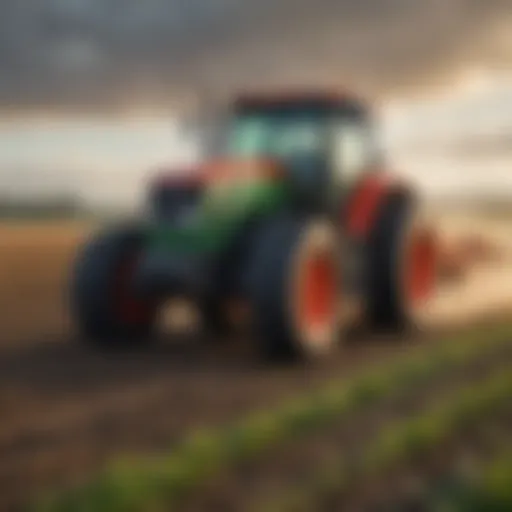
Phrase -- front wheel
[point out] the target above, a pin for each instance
(294, 283)
(106, 308)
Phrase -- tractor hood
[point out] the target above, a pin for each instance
(238, 187)
(234, 171)
(242, 170)
(228, 193)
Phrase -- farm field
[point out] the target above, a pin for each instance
(68, 412)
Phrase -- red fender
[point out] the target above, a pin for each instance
(369, 195)
(177, 177)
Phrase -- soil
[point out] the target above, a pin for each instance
(66, 410)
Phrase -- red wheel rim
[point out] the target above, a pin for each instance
(128, 308)
(317, 293)
(420, 266)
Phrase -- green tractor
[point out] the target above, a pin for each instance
(291, 217)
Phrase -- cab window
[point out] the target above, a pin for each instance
(353, 150)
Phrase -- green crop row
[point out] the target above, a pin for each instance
(407, 441)
(161, 482)
(492, 492)
(483, 488)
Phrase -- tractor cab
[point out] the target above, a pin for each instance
(319, 144)
(325, 143)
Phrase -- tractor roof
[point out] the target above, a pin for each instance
(320, 99)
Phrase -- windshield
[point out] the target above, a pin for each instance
(281, 136)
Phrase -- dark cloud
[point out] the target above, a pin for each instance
(100, 52)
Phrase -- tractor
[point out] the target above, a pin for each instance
(292, 216)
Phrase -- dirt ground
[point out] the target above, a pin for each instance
(35, 260)
(65, 410)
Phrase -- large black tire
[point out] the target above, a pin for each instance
(279, 256)
(388, 306)
(106, 309)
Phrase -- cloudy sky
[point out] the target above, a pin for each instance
(67, 53)
(88, 88)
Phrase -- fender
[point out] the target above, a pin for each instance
(366, 200)
(179, 177)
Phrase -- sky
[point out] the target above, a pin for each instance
(67, 54)
(458, 141)
(91, 90)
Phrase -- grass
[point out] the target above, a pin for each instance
(406, 441)
(160, 483)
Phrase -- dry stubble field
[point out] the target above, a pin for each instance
(65, 411)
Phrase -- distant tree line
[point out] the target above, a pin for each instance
(65, 207)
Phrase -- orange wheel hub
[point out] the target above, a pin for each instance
(318, 292)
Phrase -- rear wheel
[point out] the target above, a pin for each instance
(106, 308)
(402, 267)
(294, 280)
